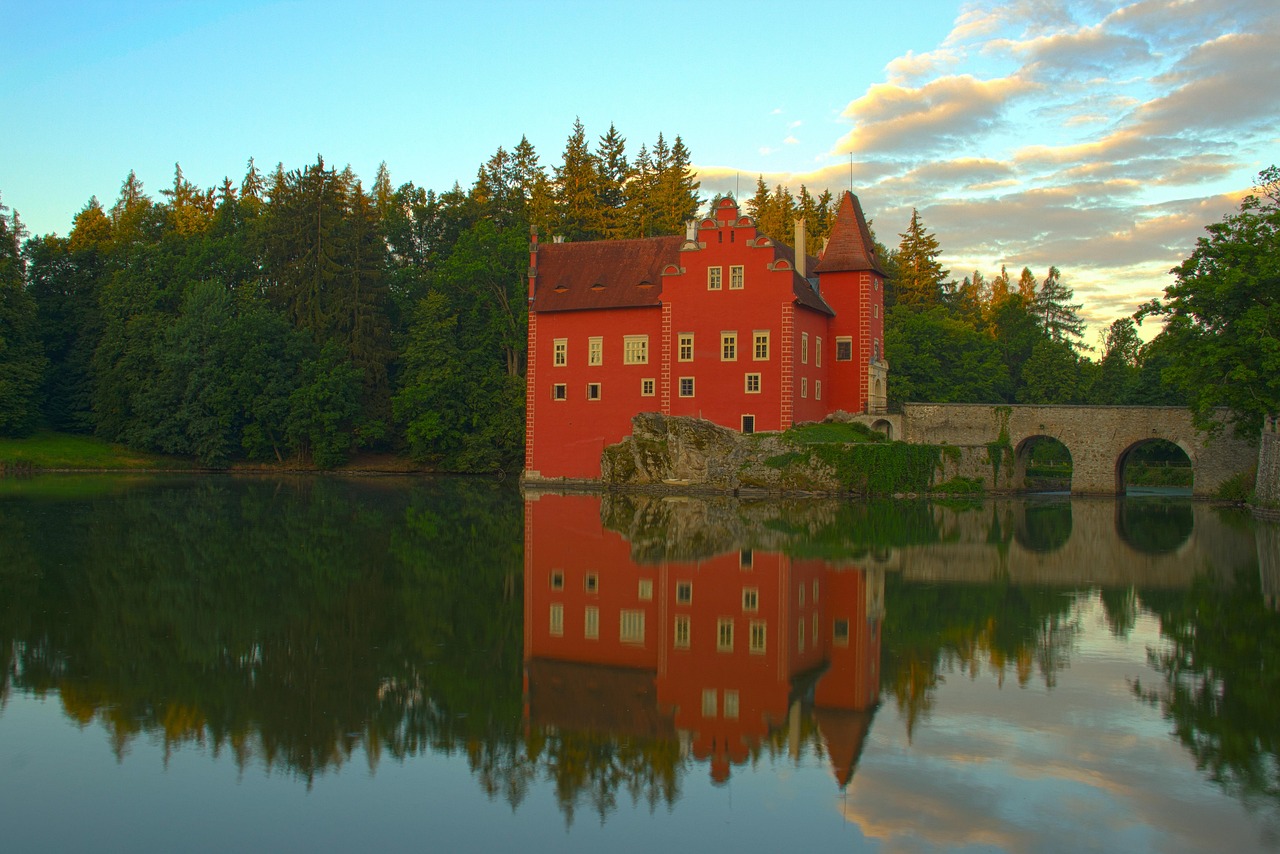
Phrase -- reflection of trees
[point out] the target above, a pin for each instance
(1221, 669)
(930, 630)
(287, 622)
(1154, 525)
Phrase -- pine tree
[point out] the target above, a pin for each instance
(613, 172)
(1058, 316)
(576, 193)
(674, 200)
(920, 278)
(22, 361)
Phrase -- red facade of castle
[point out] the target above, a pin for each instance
(723, 324)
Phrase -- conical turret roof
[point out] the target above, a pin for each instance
(850, 246)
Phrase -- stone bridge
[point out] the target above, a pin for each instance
(1099, 438)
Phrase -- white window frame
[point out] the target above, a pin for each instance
(729, 346)
(737, 277)
(595, 350)
(684, 347)
(748, 383)
(593, 391)
(847, 341)
(648, 387)
(686, 382)
(560, 352)
(759, 637)
(591, 622)
(817, 352)
(730, 704)
(751, 599)
(557, 620)
(559, 392)
(710, 703)
(635, 349)
(631, 626)
(760, 345)
(804, 387)
(682, 632)
(804, 348)
(684, 592)
(715, 278)
(724, 634)
(817, 389)
(645, 589)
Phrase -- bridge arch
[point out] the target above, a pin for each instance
(1156, 448)
(1042, 463)
(884, 426)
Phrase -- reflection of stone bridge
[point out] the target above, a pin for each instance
(1100, 439)
(1126, 543)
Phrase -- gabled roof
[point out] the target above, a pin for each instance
(805, 294)
(602, 273)
(850, 246)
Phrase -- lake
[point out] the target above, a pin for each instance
(325, 663)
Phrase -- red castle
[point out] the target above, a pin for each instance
(723, 324)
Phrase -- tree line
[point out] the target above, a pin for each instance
(301, 315)
(297, 315)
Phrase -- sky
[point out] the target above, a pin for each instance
(1100, 137)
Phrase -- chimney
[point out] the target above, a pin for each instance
(802, 257)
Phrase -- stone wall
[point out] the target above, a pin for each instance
(1268, 481)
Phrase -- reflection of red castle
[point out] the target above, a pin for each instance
(724, 324)
(708, 651)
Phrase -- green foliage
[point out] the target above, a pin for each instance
(45, 450)
(937, 358)
(833, 431)
(920, 279)
(1238, 488)
(22, 360)
(1222, 312)
(1052, 374)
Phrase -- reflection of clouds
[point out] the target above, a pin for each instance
(1085, 766)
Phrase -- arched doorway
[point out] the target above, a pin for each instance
(882, 425)
(1043, 465)
(1154, 467)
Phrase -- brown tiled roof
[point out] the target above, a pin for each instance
(845, 733)
(850, 246)
(805, 294)
(603, 273)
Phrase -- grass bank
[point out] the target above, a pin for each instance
(45, 451)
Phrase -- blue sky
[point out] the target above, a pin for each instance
(1100, 137)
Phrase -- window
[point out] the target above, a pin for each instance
(804, 386)
(635, 349)
(595, 351)
(844, 349)
(647, 387)
(748, 424)
(815, 628)
(593, 391)
(728, 346)
(713, 278)
(591, 583)
(817, 389)
(800, 636)
(561, 357)
(709, 702)
(753, 384)
(804, 348)
(684, 592)
(559, 391)
(815, 591)
(682, 632)
(631, 628)
(557, 619)
(759, 631)
(686, 386)
(591, 622)
(684, 352)
(724, 634)
(800, 597)
(750, 599)
(735, 277)
(745, 558)
(841, 632)
(557, 579)
(876, 350)
(731, 703)
(875, 311)
(817, 352)
(646, 589)
(760, 350)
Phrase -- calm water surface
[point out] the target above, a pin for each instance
(323, 664)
